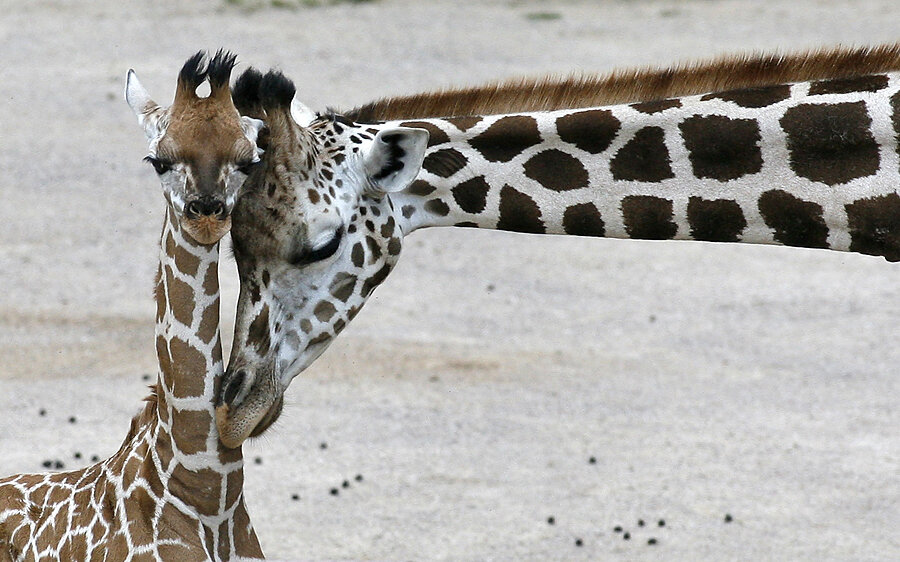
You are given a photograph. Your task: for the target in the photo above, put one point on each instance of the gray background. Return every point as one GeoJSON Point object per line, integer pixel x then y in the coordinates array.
{"type": "Point", "coordinates": [470, 393]}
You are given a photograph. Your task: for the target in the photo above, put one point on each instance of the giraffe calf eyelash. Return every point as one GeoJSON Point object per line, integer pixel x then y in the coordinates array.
{"type": "Point", "coordinates": [160, 166]}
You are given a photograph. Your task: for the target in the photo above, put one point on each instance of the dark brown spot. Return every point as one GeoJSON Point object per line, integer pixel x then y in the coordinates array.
{"type": "Point", "coordinates": [556, 170]}
{"type": "Point", "coordinates": [464, 123]}
{"type": "Point", "coordinates": [519, 212]}
{"type": "Point", "coordinates": [831, 143]}
{"type": "Point", "coordinates": [583, 220]}
{"type": "Point", "coordinates": [321, 338]}
{"type": "Point", "coordinates": [437, 207]}
{"type": "Point", "coordinates": [374, 249]}
{"type": "Point", "coordinates": [795, 222]}
{"type": "Point", "coordinates": [258, 333]}
{"type": "Point", "coordinates": [369, 285]}
{"type": "Point", "coordinates": [717, 220]}
{"type": "Point", "coordinates": [181, 298]}
{"type": "Point", "coordinates": [421, 188]}
{"type": "Point", "coordinates": [306, 326]}
{"type": "Point", "coordinates": [721, 148]}
{"type": "Point", "coordinates": [186, 262]}
{"type": "Point", "coordinates": [592, 131]}
{"type": "Point", "coordinates": [342, 286]}
{"type": "Point", "coordinates": [266, 278]}
{"type": "Point", "coordinates": [394, 246]}
{"type": "Point", "coordinates": [387, 229]}
{"type": "Point", "coordinates": [358, 254]}
{"type": "Point", "coordinates": [656, 106]}
{"type": "Point", "coordinates": [188, 369]}
{"type": "Point", "coordinates": [445, 162]}
{"type": "Point", "coordinates": [507, 138]}
{"type": "Point", "coordinates": [185, 483]}
{"type": "Point", "coordinates": [324, 310]}
{"type": "Point", "coordinates": [189, 430]}
{"type": "Point", "coordinates": [435, 134]}
{"type": "Point", "coordinates": [467, 224]}
{"type": "Point", "coordinates": [874, 225]}
{"type": "Point", "coordinates": [471, 195]}
{"type": "Point", "coordinates": [408, 211]}
{"type": "Point", "coordinates": [762, 96]}
{"type": "Point", "coordinates": [647, 217]}
{"type": "Point", "coordinates": [313, 196]}
{"type": "Point", "coordinates": [643, 158]}
{"type": "Point", "coordinates": [871, 83]}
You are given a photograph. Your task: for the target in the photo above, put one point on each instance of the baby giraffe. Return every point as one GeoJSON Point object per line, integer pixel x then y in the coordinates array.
{"type": "Point", "coordinates": [171, 492]}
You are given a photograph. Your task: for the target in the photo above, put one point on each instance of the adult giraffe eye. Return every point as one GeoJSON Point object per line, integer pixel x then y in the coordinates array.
{"type": "Point", "coordinates": [160, 166]}
{"type": "Point", "coordinates": [326, 251]}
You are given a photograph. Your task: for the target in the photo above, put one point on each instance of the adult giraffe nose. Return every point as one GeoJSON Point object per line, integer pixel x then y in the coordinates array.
{"type": "Point", "coordinates": [232, 384]}
{"type": "Point", "coordinates": [205, 206]}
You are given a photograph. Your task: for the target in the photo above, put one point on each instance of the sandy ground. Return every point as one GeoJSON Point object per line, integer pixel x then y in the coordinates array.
{"type": "Point", "coordinates": [472, 391]}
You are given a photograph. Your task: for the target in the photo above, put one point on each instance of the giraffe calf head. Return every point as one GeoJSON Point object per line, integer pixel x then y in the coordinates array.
{"type": "Point", "coordinates": [314, 233]}
{"type": "Point", "coordinates": [201, 147]}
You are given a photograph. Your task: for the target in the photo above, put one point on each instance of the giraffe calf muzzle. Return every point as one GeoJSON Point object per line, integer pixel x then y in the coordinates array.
{"type": "Point", "coordinates": [207, 219]}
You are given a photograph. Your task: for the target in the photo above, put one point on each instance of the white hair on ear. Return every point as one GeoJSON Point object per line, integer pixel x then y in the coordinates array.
{"type": "Point", "coordinates": [301, 114]}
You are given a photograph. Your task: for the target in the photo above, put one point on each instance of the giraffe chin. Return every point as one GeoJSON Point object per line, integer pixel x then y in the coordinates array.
{"type": "Point", "coordinates": [208, 229]}
{"type": "Point", "coordinates": [236, 425]}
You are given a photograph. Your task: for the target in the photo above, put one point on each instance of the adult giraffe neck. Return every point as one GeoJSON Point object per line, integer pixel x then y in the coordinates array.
{"type": "Point", "coordinates": [806, 164]}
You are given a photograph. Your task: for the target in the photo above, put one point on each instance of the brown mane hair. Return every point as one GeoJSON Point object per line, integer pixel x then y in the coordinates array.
{"type": "Point", "coordinates": [635, 85]}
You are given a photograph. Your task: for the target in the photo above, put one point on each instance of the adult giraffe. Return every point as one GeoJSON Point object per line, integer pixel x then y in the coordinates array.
{"type": "Point", "coordinates": [171, 491]}
{"type": "Point", "coordinates": [798, 150]}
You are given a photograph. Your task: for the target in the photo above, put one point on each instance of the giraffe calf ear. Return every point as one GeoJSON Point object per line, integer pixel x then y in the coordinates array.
{"type": "Point", "coordinates": [145, 109]}
{"type": "Point", "coordinates": [394, 158]}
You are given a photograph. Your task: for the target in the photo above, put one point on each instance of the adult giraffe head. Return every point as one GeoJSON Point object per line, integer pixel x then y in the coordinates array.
{"type": "Point", "coordinates": [314, 233]}
{"type": "Point", "coordinates": [201, 147]}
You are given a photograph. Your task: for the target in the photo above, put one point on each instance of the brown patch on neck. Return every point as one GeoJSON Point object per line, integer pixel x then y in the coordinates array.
{"type": "Point", "coordinates": [635, 85]}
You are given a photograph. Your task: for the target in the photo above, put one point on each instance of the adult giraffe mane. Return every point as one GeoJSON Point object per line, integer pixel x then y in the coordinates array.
{"type": "Point", "coordinates": [635, 84]}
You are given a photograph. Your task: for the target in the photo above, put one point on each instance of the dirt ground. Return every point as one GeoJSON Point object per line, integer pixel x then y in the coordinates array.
{"type": "Point", "coordinates": [472, 392]}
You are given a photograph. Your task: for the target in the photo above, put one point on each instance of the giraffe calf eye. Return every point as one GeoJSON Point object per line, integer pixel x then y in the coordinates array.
{"type": "Point", "coordinates": [160, 166]}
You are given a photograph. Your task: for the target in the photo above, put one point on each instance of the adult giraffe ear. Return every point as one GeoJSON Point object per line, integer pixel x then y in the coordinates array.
{"type": "Point", "coordinates": [394, 158]}
{"type": "Point", "coordinates": [145, 109]}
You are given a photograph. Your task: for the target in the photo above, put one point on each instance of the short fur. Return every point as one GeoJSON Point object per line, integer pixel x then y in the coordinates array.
{"type": "Point", "coordinates": [634, 85]}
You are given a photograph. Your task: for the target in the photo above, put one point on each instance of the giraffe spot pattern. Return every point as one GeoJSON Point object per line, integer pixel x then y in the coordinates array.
{"type": "Point", "coordinates": [420, 188]}
{"type": "Point", "coordinates": [184, 484]}
{"type": "Point", "coordinates": [342, 286]}
{"type": "Point", "coordinates": [895, 118]}
{"type": "Point", "coordinates": [871, 83]}
{"type": "Point", "coordinates": [655, 106]}
{"type": "Point", "coordinates": [874, 225]}
{"type": "Point", "coordinates": [507, 138]}
{"type": "Point", "coordinates": [464, 123]}
{"type": "Point", "coordinates": [717, 220]}
{"type": "Point", "coordinates": [649, 218]}
{"type": "Point", "coordinates": [556, 170]}
{"type": "Point", "coordinates": [831, 143]}
{"type": "Point", "coordinates": [722, 148]}
{"type": "Point", "coordinates": [796, 222]}
{"type": "Point", "coordinates": [258, 332]}
{"type": "Point", "coordinates": [519, 212]}
{"type": "Point", "coordinates": [357, 255]}
{"type": "Point", "coordinates": [591, 131]}
{"type": "Point", "coordinates": [436, 136]}
{"type": "Point", "coordinates": [369, 285]}
{"type": "Point", "coordinates": [437, 207]}
{"type": "Point", "coordinates": [643, 158]}
{"type": "Point", "coordinates": [754, 98]}
{"type": "Point", "coordinates": [324, 310]}
{"type": "Point", "coordinates": [583, 220]}
{"type": "Point", "coordinates": [189, 431]}
{"type": "Point", "coordinates": [189, 369]}
{"type": "Point", "coordinates": [445, 162]}
{"type": "Point", "coordinates": [471, 195]}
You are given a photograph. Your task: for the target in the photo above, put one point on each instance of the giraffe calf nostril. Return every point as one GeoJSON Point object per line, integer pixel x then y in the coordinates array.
{"type": "Point", "coordinates": [233, 386]}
